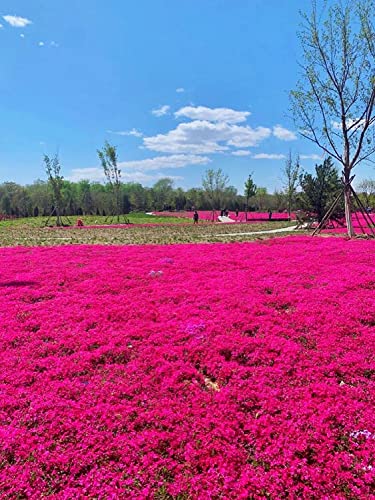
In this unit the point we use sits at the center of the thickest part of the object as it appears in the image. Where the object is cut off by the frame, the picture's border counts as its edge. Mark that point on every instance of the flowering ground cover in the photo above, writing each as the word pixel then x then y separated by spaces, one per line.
pixel 360 224
pixel 207 215
pixel 188 371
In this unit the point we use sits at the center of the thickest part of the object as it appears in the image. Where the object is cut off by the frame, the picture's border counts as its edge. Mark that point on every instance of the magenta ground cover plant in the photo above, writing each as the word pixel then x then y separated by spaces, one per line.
pixel 240 371
pixel 206 215
pixel 360 224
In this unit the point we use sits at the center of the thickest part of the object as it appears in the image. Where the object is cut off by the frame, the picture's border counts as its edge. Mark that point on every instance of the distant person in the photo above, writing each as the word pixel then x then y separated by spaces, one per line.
pixel 221 212
pixel 195 217
pixel 269 214
pixel 236 212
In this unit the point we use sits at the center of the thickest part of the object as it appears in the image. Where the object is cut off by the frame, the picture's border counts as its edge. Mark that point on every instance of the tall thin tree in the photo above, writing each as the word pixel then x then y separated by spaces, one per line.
pixel 109 161
pixel 290 177
pixel 55 179
pixel 250 191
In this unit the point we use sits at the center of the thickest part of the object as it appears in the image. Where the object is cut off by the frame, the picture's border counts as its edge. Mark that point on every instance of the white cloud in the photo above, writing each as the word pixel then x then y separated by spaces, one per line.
pixel 284 134
pixel 1 26
pixel 226 115
pixel 41 44
pixel 54 44
pixel 136 170
pixel 160 162
pixel 16 21
pixel 267 156
pixel 241 152
pixel 311 157
pixel 245 137
pixel 133 132
pixel 163 110
pixel 180 90
pixel 96 174
pixel 143 178
pixel 203 137
pixel 91 174
pixel 22 35
pixel 349 123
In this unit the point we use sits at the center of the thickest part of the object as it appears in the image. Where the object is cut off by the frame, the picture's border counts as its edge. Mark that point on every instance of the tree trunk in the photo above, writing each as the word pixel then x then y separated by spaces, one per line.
pixel 348 205
pixel 58 217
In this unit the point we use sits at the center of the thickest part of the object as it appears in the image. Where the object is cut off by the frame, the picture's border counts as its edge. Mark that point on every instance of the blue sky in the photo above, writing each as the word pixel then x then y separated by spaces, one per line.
pixel 178 85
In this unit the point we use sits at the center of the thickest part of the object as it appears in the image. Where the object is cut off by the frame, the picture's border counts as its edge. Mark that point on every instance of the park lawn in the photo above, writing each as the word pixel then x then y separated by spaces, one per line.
pixel 30 233
pixel 88 220
pixel 183 372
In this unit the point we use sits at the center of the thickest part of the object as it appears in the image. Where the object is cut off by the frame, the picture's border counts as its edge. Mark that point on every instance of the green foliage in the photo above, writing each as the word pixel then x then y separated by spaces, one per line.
pixel 366 191
pixel 250 189
pixel 215 185
pixel 319 190
pixel 163 194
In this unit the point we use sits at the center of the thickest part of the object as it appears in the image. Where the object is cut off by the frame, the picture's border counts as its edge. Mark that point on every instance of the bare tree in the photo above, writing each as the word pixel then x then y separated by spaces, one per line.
pixel 291 172
pixel 333 104
pixel 109 159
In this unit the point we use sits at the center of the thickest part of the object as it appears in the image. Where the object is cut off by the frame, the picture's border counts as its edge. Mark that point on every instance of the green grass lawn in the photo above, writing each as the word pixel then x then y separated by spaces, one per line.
pixel 92 220
pixel 30 232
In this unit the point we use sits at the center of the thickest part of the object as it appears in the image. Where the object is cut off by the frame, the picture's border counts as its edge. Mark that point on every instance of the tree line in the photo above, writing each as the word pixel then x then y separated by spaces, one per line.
pixel 301 190
pixel 86 198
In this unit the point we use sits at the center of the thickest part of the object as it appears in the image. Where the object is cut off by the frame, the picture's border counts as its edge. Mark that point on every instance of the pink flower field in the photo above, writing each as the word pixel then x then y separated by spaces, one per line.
pixel 213 371
pixel 206 215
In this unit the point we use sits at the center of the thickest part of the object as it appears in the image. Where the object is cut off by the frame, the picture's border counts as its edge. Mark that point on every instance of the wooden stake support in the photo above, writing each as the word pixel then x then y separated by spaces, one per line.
pixel 360 205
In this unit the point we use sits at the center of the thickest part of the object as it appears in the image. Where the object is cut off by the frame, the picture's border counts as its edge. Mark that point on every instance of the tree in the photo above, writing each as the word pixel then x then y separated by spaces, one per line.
pixel 137 196
pixel 290 176
pixel 84 194
pixel 319 191
pixel 333 104
pixel 215 184
pixel 108 158
pixel 162 191
pixel 366 188
pixel 179 199
pixel 195 198
pixel 250 191
pixel 278 200
pixel 55 179
pixel 40 196
pixel 261 198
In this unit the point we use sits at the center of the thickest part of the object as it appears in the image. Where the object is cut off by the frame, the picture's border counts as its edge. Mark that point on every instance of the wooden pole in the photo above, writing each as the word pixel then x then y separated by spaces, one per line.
pixel 367 218
pixel 328 213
